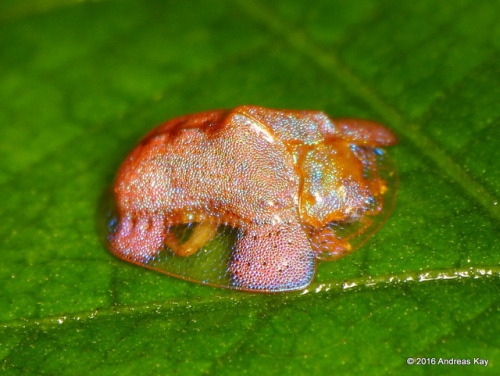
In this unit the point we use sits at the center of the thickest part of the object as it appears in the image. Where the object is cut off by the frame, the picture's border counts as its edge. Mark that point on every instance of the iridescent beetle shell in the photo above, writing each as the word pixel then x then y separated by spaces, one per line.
pixel 249 198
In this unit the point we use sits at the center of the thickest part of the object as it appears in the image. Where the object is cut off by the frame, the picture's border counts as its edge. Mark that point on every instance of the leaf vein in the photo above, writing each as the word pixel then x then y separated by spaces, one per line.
pixel 226 299
pixel 358 87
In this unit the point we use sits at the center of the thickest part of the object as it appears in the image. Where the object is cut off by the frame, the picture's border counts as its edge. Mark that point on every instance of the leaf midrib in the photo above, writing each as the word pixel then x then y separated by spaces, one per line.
pixel 224 300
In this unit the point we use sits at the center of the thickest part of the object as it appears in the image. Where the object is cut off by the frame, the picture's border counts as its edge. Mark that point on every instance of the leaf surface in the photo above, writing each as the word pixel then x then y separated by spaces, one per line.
pixel 81 82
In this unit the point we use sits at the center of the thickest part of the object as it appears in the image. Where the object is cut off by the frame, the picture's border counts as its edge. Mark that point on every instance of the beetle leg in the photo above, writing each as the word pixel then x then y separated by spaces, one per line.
pixel 328 245
pixel 365 223
pixel 202 234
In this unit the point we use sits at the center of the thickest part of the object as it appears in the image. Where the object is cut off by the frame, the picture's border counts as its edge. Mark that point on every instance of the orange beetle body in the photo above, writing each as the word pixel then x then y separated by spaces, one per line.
pixel 280 179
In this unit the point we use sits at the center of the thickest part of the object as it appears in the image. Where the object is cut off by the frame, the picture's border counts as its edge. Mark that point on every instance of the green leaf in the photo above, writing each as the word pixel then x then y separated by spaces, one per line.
pixel 81 82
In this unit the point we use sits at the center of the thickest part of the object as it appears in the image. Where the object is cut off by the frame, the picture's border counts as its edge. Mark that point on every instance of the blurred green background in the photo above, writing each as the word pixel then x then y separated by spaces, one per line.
pixel 82 81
